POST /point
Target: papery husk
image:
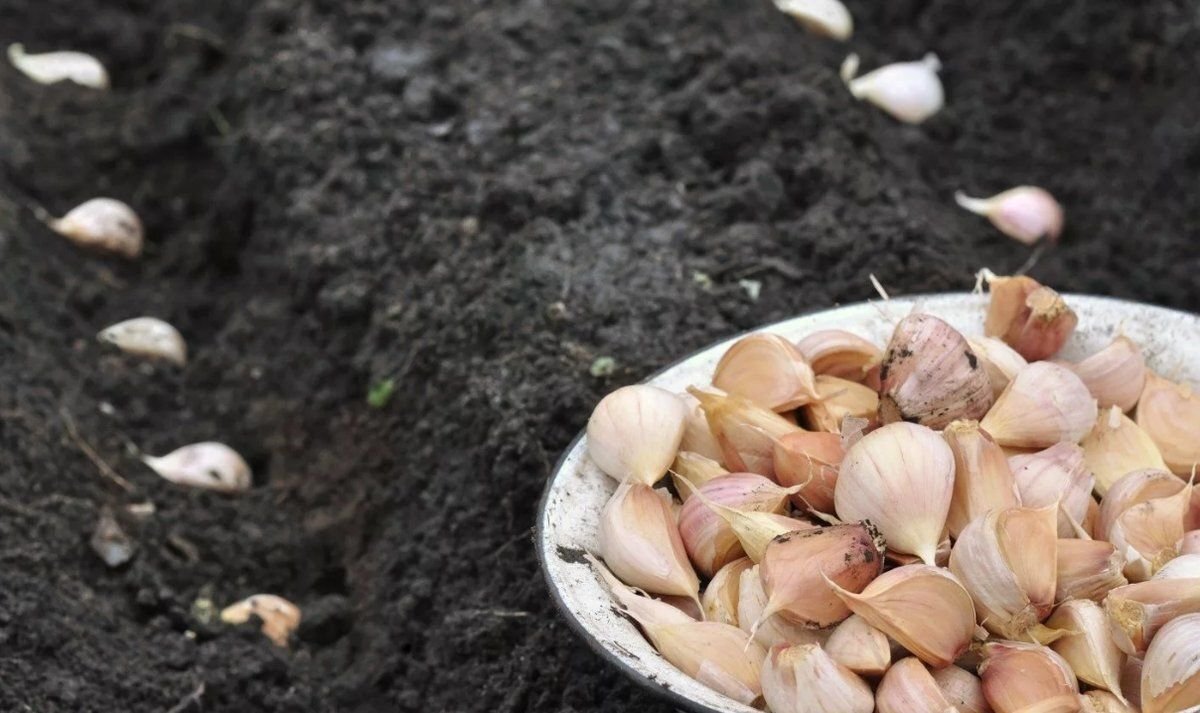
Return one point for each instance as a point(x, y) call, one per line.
point(836, 400)
point(1115, 447)
point(694, 468)
point(768, 370)
point(746, 432)
point(1149, 533)
point(983, 480)
point(1027, 678)
point(1088, 646)
point(812, 460)
point(708, 538)
point(1104, 702)
point(860, 647)
point(1170, 414)
point(835, 352)
point(640, 542)
point(1137, 611)
point(1043, 405)
point(697, 436)
point(1088, 569)
point(1000, 361)
point(1131, 681)
point(1057, 475)
point(909, 688)
point(1171, 669)
point(1115, 375)
point(720, 599)
point(805, 679)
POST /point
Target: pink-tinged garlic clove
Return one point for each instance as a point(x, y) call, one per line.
point(811, 460)
point(1057, 475)
point(1000, 361)
point(983, 480)
point(1022, 678)
point(1137, 611)
point(640, 542)
point(1045, 404)
point(1088, 569)
point(1171, 669)
point(1170, 414)
point(1115, 375)
point(1116, 446)
point(962, 689)
point(1025, 213)
point(1032, 319)
point(771, 630)
point(835, 352)
point(908, 687)
point(746, 431)
point(860, 647)
point(768, 370)
point(803, 678)
point(635, 431)
point(839, 399)
point(709, 539)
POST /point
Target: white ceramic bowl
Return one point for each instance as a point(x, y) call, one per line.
point(577, 490)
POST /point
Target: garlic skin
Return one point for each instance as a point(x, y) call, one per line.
point(1088, 646)
point(772, 630)
point(1043, 405)
point(1025, 213)
point(828, 18)
point(1170, 413)
point(1056, 476)
point(746, 431)
point(697, 437)
point(1116, 446)
point(860, 647)
point(1190, 544)
point(1088, 569)
point(1131, 489)
point(1000, 361)
point(909, 688)
point(804, 679)
point(634, 433)
point(208, 465)
point(909, 91)
point(1149, 533)
point(52, 67)
point(104, 225)
point(641, 544)
point(1185, 566)
point(279, 616)
point(1116, 374)
point(147, 337)
point(1171, 671)
point(929, 375)
point(836, 400)
point(720, 599)
point(962, 689)
point(1137, 611)
point(1031, 318)
point(768, 370)
point(1104, 702)
point(901, 478)
point(1023, 678)
point(810, 460)
point(709, 540)
point(694, 468)
point(983, 480)
point(835, 352)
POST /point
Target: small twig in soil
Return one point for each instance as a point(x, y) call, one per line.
point(500, 613)
point(186, 702)
point(193, 32)
point(105, 469)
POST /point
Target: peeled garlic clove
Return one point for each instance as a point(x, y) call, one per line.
point(1088, 569)
point(983, 480)
point(1045, 404)
point(828, 18)
point(1031, 318)
point(925, 609)
point(772, 630)
point(102, 224)
point(803, 679)
point(1185, 566)
point(1171, 670)
point(930, 376)
point(1000, 361)
point(1025, 213)
point(635, 431)
point(836, 400)
point(768, 370)
point(279, 616)
point(1116, 446)
point(1056, 476)
point(720, 599)
point(835, 352)
point(962, 689)
point(810, 459)
point(901, 478)
point(148, 337)
point(1007, 561)
point(1138, 611)
point(694, 468)
point(909, 688)
point(1170, 414)
point(1104, 702)
point(208, 465)
point(860, 647)
point(1088, 647)
point(641, 544)
point(51, 67)
point(1149, 533)
point(1115, 375)
point(909, 91)
point(710, 541)
point(1133, 488)
point(746, 431)
point(1023, 678)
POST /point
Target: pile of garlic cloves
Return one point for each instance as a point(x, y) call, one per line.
point(937, 524)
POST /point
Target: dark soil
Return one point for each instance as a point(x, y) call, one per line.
point(476, 200)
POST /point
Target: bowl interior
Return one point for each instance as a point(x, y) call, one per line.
point(577, 490)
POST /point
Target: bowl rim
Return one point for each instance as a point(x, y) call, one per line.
point(652, 686)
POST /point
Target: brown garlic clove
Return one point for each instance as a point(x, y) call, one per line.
point(962, 689)
point(1032, 319)
point(102, 224)
point(720, 599)
point(983, 480)
point(1170, 414)
point(710, 541)
point(909, 688)
point(747, 432)
point(1137, 611)
point(834, 352)
point(768, 370)
point(1088, 569)
point(1000, 361)
point(771, 630)
point(1088, 647)
point(634, 433)
point(1115, 375)
point(803, 678)
point(279, 616)
point(836, 400)
point(1056, 476)
point(811, 460)
point(1117, 446)
point(1023, 678)
point(1171, 670)
point(860, 647)
point(1045, 404)
point(640, 542)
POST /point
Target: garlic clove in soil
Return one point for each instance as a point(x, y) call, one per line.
point(1135, 487)
point(1056, 476)
point(279, 616)
point(1088, 569)
point(147, 337)
point(1000, 361)
point(697, 436)
point(746, 431)
point(1116, 446)
point(640, 542)
point(803, 678)
point(1023, 678)
point(908, 687)
point(694, 468)
point(51, 67)
point(768, 370)
point(1115, 375)
point(1171, 670)
point(771, 630)
point(1137, 611)
point(1025, 213)
point(836, 352)
point(930, 375)
point(962, 689)
point(983, 480)
point(1032, 319)
point(710, 541)
point(810, 460)
point(104, 225)
point(635, 431)
point(909, 91)
point(901, 478)
point(828, 18)
point(208, 465)
point(720, 599)
point(1170, 414)
point(1088, 647)
point(860, 647)
point(1045, 404)
point(838, 399)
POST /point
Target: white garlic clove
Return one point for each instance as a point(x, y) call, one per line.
point(1088, 645)
point(910, 91)
point(1149, 533)
point(1116, 374)
point(640, 542)
point(746, 431)
point(828, 18)
point(51, 67)
point(1031, 318)
point(1059, 476)
point(208, 465)
point(635, 431)
point(835, 352)
point(1190, 544)
point(837, 400)
point(1000, 361)
point(1116, 446)
point(102, 224)
point(147, 337)
point(1045, 404)
point(1025, 213)
point(1104, 702)
point(860, 647)
point(962, 689)
point(810, 460)
point(908, 687)
point(1171, 669)
point(771, 630)
point(983, 480)
point(930, 375)
point(1134, 487)
point(1022, 678)
point(279, 616)
point(768, 370)
point(803, 679)
point(720, 599)
point(1170, 414)
point(1185, 566)
point(1137, 611)
point(1088, 569)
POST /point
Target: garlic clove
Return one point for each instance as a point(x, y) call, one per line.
point(641, 544)
point(983, 480)
point(753, 530)
point(1025, 213)
point(1185, 566)
point(838, 399)
point(1133, 488)
point(828, 18)
point(710, 541)
point(1007, 561)
point(720, 599)
point(940, 557)
point(102, 224)
point(1088, 647)
point(1104, 702)
point(1043, 405)
point(925, 609)
point(930, 376)
point(1136, 612)
point(694, 468)
point(148, 337)
point(901, 478)
point(1117, 446)
point(1131, 681)
point(1088, 569)
point(836, 352)
point(810, 460)
point(909, 91)
point(962, 689)
point(1170, 413)
point(1148, 534)
point(208, 465)
point(279, 616)
point(1023, 678)
point(803, 679)
point(909, 688)
point(1190, 544)
point(635, 431)
point(1031, 318)
point(860, 647)
point(697, 437)
point(1058, 476)
point(1000, 361)
point(747, 432)
point(1171, 670)
point(1115, 375)
point(768, 370)
point(51, 67)
point(771, 630)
